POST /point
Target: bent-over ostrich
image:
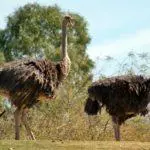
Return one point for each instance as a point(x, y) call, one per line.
point(123, 96)
point(25, 82)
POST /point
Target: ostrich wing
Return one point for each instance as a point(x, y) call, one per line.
point(28, 74)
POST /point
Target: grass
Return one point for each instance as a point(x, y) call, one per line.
point(72, 145)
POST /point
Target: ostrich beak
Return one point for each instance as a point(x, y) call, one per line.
point(71, 22)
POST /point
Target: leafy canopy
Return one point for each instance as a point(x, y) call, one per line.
point(35, 31)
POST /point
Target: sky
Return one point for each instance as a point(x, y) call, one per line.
point(115, 26)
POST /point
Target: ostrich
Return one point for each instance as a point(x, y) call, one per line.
point(122, 96)
point(26, 82)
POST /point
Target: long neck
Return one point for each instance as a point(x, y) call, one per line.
point(64, 41)
point(65, 58)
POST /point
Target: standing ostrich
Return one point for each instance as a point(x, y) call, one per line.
point(26, 82)
point(123, 96)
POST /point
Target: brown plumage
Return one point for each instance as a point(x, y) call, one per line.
point(25, 82)
point(122, 96)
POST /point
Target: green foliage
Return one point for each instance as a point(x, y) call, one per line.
point(2, 58)
point(34, 30)
point(30, 30)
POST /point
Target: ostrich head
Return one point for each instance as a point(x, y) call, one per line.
point(93, 103)
point(67, 21)
point(92, 107)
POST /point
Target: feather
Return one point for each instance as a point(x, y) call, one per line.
point(121, 95)
point(24, 78)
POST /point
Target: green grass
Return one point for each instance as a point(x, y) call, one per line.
point(72, 145)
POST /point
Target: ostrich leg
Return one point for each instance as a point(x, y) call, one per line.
point(17, 116)
point(24, 120)
point(116, 127)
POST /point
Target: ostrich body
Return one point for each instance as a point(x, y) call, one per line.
point(123, 97)
point(25, 82)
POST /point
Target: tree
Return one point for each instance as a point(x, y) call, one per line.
point(35, 31)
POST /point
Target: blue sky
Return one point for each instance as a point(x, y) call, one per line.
point(116, 26)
